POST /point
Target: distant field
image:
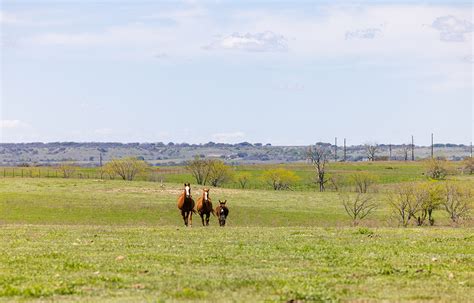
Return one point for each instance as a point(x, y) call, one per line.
point(384, 171)
point(110, 240)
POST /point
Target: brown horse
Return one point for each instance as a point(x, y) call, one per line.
point(222, 211)
point(186, 205)
point(204, 206)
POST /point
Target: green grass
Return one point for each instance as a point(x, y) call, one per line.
point(244, 264)
point(60, 240)
point(386, 172)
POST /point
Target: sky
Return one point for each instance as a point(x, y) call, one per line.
point(279, 72)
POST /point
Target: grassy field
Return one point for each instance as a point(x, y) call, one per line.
point(385, 172)
point(110, 240)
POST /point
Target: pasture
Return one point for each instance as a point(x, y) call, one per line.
point(110, 240)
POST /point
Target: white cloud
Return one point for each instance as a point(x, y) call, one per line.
point(266, 41)
point(231, 137)
point(12, 124)
point(367, 33)
point(452, 29)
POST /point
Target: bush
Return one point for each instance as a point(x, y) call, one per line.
point(126, 168)
point(67, 169)
point(279, 178)
point(436, 169)
point(468, 165)
point(219, 173)
point(243, 178)
point(362, 181)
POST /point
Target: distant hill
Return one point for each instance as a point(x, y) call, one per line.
point(90, 154)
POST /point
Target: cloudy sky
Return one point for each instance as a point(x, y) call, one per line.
point(283, 72)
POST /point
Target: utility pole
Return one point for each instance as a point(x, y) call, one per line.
point(345, 150)
point(390, 151)
point(412, 149)
point(432, 146)
point(335, 149)
point(100, 159)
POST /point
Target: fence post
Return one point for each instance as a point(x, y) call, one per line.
point(22, 173)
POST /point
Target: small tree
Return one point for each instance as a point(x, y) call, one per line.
point(436, 169)
point(243, 178)
point(428, 198)
point(362, 181)
point(415, 201)
point(371, 149)
point(457, 202)
point(126, 168)
point(468, 165)
point(200, 169)
point(403, 204)
point(279, 178)
point(405, 150)
point(318, 155)
point(357, 206)
point(219, 173)
point(67, 169)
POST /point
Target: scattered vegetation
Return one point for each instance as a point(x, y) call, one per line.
point(125, 168)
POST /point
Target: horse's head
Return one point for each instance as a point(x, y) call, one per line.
point(205, 194)
point(223, 212)
point(187, 190)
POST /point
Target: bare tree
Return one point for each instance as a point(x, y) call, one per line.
point(457, 201)
point(402, 203)
point(405, 150)
point(371, 149)
point(357, 207)
point(318, 155)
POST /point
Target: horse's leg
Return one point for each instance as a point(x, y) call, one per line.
point(185, 217)
point(191, 218)
point(207, 219)
point(202, 218)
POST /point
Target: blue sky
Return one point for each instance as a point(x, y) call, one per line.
point(283, 72)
